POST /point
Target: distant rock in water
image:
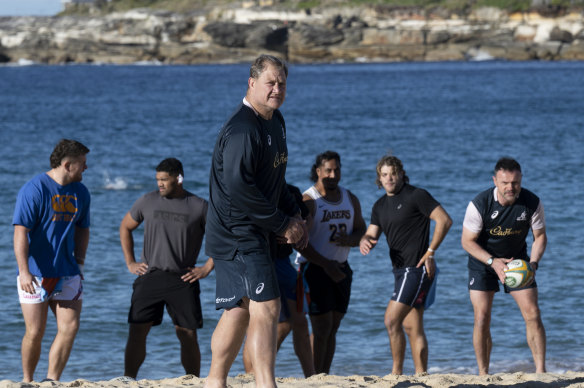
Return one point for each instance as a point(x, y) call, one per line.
point(232, 35)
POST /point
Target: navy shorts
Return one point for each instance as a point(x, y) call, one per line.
point(487, 280)
point(411, 286)
point(326, 295)
point(250, 275)
point(157, 289)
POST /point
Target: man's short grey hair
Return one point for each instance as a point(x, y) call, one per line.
point(261, 62)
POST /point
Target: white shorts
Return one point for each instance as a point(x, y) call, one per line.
point(64, 288)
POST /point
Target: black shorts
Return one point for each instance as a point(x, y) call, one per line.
point(324, 294)
point(411, 286)
point(487, 280)
point(251, 275)
point(156, 289)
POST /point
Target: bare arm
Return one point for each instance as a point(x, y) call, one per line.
point(538, 246)
point(27, 281)
point(443, 224)
point(127, 226)
point(359, 226)
point(331, 267)
point(369, 239)
point(81, 244)
point(196, 273)
point(469, 244)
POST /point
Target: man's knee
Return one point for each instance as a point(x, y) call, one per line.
point(185, 334)
point(322, 324)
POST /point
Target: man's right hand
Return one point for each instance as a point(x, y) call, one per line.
point(296, 233)
point(27, 282)
point(138, 268)
point(499, 266)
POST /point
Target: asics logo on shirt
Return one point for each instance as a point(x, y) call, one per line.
point(269, 140)
point(522, 217)
point(495, 214)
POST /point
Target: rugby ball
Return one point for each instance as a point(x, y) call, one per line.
point(519, 274)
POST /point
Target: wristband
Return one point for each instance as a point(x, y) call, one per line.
point(536, 265)
point(431, 250)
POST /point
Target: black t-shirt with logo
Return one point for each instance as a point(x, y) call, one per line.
point(405, 220)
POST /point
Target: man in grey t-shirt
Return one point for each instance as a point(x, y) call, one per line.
point(174, 225)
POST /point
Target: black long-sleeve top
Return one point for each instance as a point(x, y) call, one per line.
point(246, 183)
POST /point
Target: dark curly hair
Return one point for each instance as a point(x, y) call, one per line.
point(66, 148)
point(320, 159)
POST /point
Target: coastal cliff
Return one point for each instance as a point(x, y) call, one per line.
point(227, 35)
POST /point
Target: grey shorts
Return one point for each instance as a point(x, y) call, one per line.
point(252, 276)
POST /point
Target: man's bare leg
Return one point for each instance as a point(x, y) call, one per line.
point(395, 313)
point(301, 338)
point(135, 348)
point(414, 328)
point(190, 354)
point(261, 339)
point(226, 342)
point(482, 303)
point(68, 313)
point(35, 320)
point(535, 332)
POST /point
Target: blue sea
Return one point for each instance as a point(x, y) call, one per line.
point(448, 122)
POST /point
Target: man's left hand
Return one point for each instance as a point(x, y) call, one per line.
point(428, 261)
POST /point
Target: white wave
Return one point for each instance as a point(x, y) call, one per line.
point(148, 63)
point(25, 62)
point(478, 55)
point(118, 183)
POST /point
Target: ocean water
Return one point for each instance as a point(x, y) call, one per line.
point(448, 122)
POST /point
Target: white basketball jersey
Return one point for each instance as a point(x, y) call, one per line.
point(331, 219)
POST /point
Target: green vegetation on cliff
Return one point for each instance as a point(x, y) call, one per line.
point(549, 7)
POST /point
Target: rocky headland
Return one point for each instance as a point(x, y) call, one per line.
point(238, 34)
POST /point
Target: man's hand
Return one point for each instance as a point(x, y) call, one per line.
point(27, 282)
point(366, 244)
point(499, 266)
point(195, 273)
point(297, 233)
point(138, 268)
point(428, 261)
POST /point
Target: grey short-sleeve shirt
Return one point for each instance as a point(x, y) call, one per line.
point(173, 230)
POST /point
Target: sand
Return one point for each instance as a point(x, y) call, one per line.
point(515, 380)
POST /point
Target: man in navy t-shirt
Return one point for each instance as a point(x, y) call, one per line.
point(495, 227)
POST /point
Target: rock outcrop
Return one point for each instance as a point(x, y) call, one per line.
point(238, 35)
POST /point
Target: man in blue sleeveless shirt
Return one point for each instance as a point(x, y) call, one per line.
point(495, 227)
point(51, 235)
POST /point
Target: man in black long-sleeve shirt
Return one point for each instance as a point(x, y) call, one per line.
point(246, 185)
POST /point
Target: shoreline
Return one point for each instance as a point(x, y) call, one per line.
point(569, 379)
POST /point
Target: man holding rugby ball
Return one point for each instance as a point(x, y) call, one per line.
point(495, 227)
